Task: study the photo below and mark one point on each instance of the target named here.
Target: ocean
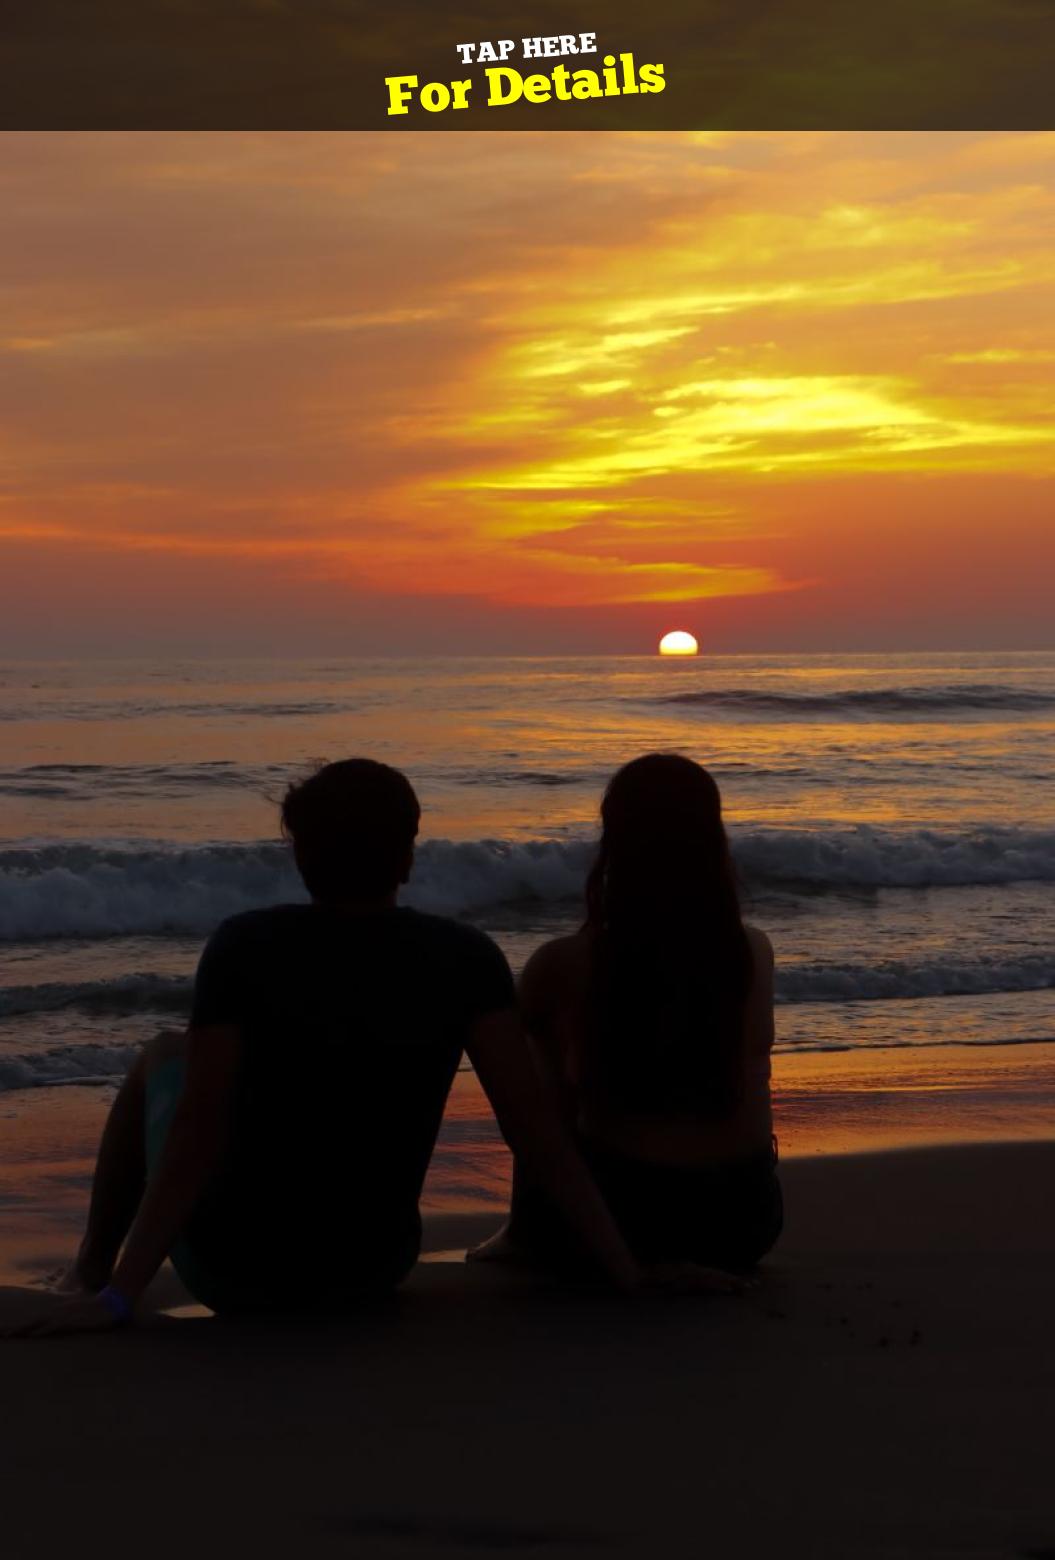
(891, 819)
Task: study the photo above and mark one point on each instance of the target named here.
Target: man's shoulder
(470, 966)
(258, 925)
(454, 936)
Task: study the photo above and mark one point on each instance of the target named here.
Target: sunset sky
(313, 392)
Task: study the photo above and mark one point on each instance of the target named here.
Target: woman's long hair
(671, 963)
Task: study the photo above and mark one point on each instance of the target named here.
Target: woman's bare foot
(500, 1247)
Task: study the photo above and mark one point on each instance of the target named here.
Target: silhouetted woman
(655, 1023)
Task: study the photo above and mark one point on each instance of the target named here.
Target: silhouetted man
(277, 1150)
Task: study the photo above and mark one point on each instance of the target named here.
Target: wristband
(116, 1302)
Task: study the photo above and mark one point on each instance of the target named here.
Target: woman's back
(557, 1000)
(654, 1023)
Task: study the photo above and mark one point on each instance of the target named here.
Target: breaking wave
(92, 891)
(54, 1066)
(899, 979)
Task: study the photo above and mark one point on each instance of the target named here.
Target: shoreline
(825, 1104)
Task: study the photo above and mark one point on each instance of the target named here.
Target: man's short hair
(353, 826)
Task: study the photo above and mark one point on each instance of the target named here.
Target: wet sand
(825, 1102)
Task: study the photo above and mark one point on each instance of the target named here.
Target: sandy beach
(885, 1391)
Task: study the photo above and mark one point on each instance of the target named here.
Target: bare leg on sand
(120, 1174)
(499, 1247)
(503, 1247)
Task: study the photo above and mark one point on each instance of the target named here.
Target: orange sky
(525, 392)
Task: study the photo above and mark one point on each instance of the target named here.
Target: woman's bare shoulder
(557, 959)
(555, 972)
(760, 945)
(551, 982)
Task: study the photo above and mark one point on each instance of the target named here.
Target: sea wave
(489, 777)
(867, 856)
(93, 1062)
(68, 782)
(122, 994)
(82, 890)
(161, 995)
(198, 710)
(55, 1066)
(929, 700)
(92, 891)
(895, 980)
(79, 781)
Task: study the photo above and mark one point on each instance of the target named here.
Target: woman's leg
(504, 1245)
(535, 1235)
(120, 1171)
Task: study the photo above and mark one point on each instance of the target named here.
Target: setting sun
(678, 642)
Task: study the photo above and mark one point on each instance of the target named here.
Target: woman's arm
(758, 1011)
(543, 998)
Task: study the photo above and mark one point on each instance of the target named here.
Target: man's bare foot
(79, 1278)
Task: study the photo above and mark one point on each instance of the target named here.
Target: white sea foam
(55, 1066)
(898, 979)
(81, 890)
(870, 857)
(91, 891)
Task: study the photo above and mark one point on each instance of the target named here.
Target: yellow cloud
(533, 369)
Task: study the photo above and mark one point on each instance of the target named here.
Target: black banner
(554, 65)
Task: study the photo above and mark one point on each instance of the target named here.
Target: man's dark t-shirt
(352, 1027)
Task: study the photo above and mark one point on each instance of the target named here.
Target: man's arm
(532, 1125)
(194, 1146)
